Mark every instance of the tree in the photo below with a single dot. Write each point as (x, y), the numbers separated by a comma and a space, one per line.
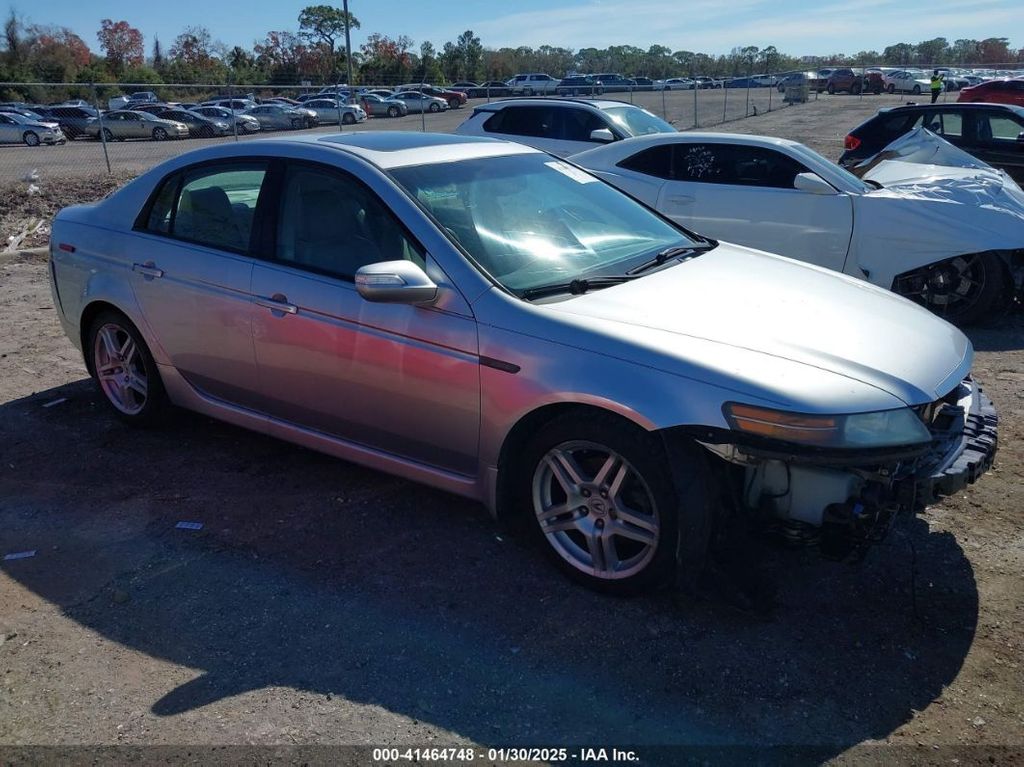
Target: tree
(13, 39)
(471, 53)
(386, 60)
(430, 70)
(900, 54)
(933, 52)
(966, 51)
(122, 43)
(324, 25)
(995, 50)
(55, 54)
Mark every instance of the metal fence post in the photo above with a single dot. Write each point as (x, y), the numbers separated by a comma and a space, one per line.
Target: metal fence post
(725, 99)
(695, 89)
(771, 87)
(99, 116)
(423, 107)
(664, 110)
(337, 101)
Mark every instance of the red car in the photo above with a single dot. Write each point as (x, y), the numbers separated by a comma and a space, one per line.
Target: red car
(455, 99)
(995, 92)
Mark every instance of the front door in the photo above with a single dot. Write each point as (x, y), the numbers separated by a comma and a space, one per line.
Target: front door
(394, 377)
(745, 194)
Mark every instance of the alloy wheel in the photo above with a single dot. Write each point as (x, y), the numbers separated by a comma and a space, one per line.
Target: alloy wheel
(120, 369)
(595, 510)
(31, 139)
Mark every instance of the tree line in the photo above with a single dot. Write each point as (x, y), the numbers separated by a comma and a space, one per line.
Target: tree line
(314, 52)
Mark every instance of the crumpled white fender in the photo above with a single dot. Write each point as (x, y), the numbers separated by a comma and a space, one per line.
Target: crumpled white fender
(937, 202)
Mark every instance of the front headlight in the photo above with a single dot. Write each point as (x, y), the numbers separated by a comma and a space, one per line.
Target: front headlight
(222, 126)
(884, 428)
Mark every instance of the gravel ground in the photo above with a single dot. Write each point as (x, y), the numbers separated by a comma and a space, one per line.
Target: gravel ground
(322, 603)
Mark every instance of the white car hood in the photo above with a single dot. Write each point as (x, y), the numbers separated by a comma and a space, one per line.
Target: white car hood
(921, 154)
(789, 311)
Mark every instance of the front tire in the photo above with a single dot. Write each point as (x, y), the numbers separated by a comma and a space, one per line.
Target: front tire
(159, 134)
(604, 503)
(124, 370)
(30, 138)
(393, 112)
(963, 290)
(892, 89)
(917, 90)
(348, 118)
(435, 107)
(831, 89)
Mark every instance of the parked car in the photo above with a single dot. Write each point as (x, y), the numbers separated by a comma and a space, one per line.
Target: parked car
(246, 124)
(490, 89)
(464, 86)
(375, 106)
(675, 84)
(561, 127)
(913, 81)
(199, 126)
(454, 99)
(957, 263)
(281, 100)
(384, 93)
(278, 117)
(995, 92)
(991, 132)
(330, 111)
(844, 79)
(420, 102)
(153, 109)
(235, 105)
(797, 78)
(132, 100)
(613, 82)
(74, 121)
(32, 131)
(587, 370)
(532, 85)
(579, 85)
(707, 82)
(643, 84)
(125, 123)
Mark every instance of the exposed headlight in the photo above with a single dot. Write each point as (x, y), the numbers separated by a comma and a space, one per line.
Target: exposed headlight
(222, 126)
(884, 428)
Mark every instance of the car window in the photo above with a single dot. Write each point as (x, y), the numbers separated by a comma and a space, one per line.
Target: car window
(735, 165)
(331, 223)
(214, 207)
(523, 121)
(655, 161)
(997, 128)
(578, 124)
(952, 124)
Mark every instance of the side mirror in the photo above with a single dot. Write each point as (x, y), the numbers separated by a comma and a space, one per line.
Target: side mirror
(1020, 137)
(813, 183)
(603, 135)
(395, 282)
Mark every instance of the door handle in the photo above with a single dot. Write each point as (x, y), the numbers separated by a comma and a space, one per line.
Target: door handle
(148, 269)
(277, 303)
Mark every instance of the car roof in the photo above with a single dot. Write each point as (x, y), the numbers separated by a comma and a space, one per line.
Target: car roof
(956, 106)
(598, 104)
(395, 149)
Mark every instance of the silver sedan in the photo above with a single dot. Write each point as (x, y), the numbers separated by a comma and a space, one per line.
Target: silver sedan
(331, 112)
(125, 123)
(278, 117)
(420, 102)
(19, 129)
(245, 123)
(379, 106)
(487, 319)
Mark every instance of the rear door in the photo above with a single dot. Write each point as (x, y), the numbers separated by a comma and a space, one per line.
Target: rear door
(996, 134)
(9, 130)
(393, 377)
(745, 194)
(192, 275)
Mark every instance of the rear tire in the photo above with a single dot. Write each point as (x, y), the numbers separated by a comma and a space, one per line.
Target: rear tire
(124, 370)
(892, 88)
(600, 497)
(831, 89)
(107, 135)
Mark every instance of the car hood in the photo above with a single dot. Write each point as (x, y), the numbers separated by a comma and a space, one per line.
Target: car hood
(798, 323)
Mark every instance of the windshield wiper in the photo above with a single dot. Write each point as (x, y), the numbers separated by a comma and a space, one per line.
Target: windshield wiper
(674, 252)
(576, 287)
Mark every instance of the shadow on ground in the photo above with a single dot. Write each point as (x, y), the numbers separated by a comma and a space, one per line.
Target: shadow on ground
(315, 574)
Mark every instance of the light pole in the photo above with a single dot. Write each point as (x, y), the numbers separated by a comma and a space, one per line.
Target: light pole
(348, 48)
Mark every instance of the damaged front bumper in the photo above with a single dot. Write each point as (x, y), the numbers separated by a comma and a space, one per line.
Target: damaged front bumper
(843, 501)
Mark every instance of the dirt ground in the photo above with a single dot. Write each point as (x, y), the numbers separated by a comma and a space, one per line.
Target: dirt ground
(322, 603)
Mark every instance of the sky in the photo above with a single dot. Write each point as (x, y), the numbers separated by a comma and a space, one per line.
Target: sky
(797, 27)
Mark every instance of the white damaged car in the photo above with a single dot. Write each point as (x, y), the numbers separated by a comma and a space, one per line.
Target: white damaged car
(952, 241)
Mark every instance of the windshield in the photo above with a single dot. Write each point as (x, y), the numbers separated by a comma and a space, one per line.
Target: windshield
(531, 220)
(638, 122)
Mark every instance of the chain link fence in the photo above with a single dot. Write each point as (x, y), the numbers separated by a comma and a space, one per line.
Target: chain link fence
(96, 142)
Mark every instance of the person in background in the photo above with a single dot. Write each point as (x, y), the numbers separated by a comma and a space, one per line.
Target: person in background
(936, 85)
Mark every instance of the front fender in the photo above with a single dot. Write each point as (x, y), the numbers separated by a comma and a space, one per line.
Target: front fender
(909, 226)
